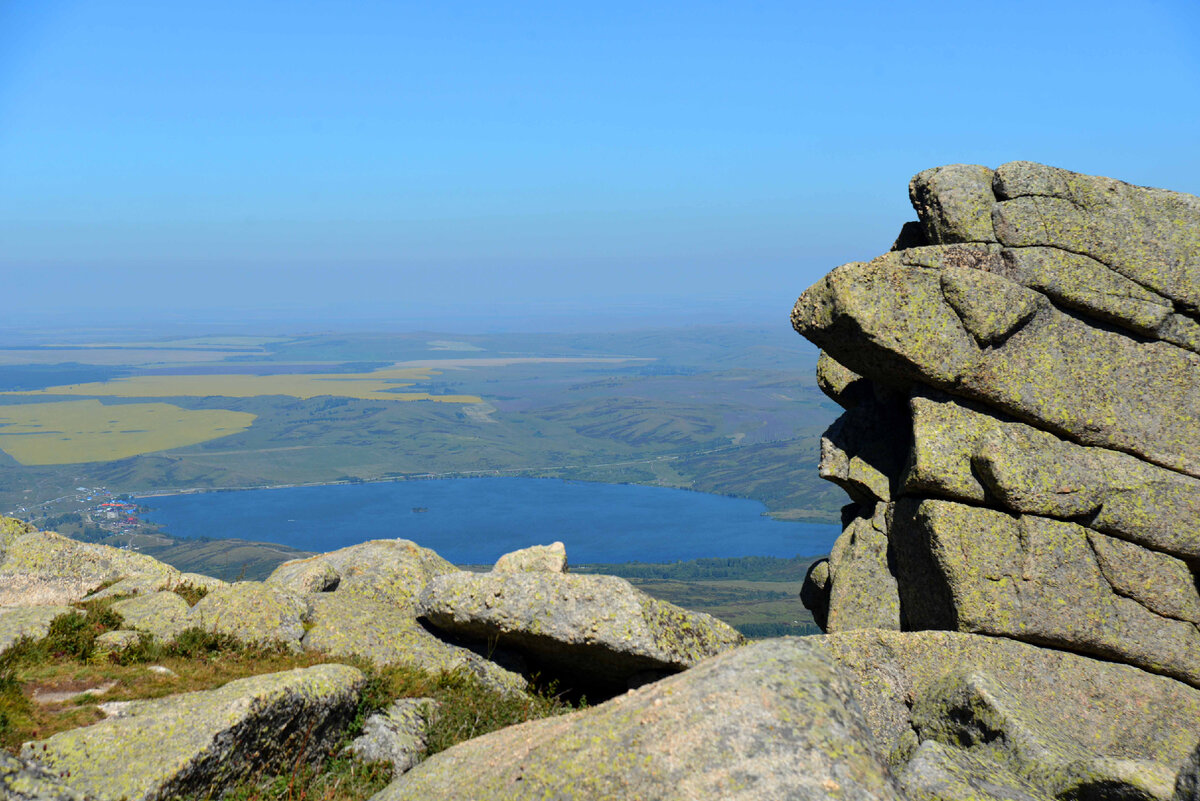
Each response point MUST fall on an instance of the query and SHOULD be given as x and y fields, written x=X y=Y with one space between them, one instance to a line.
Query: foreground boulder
x=28 y=622
x=1021 y=378
x=42 y=568
x=397 y=735
x=25 y=780
x=594 y=633
x=203 y=742
x=772 y=720
x=388 y=571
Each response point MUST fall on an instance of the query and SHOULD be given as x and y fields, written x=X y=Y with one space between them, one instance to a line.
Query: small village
x=90 y=514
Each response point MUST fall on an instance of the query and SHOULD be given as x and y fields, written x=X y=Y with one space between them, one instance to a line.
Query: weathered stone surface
x=1187 y=783
x=398 y=735
x=844 y=387
x=33 y=621
x=964 y=453
x=954 y=203
x=972 y=569
x=116 y=641
x=393 y=571
x=253 y=611
x=348 y=624
x=1161 y=583
x=550 y=558
x=26 y=780
x=200 y=581
x=1075 y=721
x=771 y=720
x=43 y=568
x=585 y=629
x=814 y=592
x=1151 y=236
x=894 y=323
x=863 y=592
x=161 y=614
x=939 y=772
x=203 y=742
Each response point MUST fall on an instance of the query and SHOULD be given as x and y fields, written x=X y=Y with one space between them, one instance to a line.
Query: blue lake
x=475 y=520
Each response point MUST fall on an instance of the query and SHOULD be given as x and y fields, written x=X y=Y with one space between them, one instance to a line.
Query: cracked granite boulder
x=1041 y=330
x=594 y=633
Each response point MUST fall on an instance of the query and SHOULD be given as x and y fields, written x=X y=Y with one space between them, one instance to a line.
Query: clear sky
x=466 y=165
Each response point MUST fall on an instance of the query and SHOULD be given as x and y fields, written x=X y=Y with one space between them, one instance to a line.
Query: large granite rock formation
x=1022 y=434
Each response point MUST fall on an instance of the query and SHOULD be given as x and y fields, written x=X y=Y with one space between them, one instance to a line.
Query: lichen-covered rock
x=25 y=780
x=1064 y=720
x=863 y=451
x=862 y=589
x=897 y=323
x=954 y=203
x=1151 y=236
x=111 y=642
x=203 y=742
x=199 y=581
x=939 y=772
x=398 y=734
x=253 y=612
x=772 y=720
x=965 y=453
x=393 y=571
x=550 y=558
x=347 y=624
x=42 y=568
x=587 y=630
x=161 y=614
x=1035 y=579
x=30 y=621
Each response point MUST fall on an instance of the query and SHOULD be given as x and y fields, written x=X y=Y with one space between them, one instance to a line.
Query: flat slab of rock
x=771 y=720
x=1062 y=721
x=161 y=614
x=203 y=742
x=587 y=630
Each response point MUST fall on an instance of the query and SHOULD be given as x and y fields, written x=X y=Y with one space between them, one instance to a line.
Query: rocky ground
x=1011 y=611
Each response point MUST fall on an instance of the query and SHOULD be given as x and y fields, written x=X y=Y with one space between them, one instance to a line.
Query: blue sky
x=465 y=165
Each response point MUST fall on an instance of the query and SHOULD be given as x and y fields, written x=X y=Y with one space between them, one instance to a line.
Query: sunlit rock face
x=1021 y=375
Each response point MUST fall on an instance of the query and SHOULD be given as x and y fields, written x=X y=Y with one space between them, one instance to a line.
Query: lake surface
x=476 y=520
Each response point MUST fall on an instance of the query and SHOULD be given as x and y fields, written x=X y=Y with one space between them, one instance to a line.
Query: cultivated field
x=70 y=432
x=377 y=385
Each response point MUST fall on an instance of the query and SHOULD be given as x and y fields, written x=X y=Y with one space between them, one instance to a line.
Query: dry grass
x=70 y=432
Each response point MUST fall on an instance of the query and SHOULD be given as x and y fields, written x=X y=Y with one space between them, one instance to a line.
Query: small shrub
x=189 y=592
x=74 y=635
x=197 y=643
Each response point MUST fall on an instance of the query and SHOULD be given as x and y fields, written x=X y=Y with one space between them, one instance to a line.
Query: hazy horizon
x=464 y=166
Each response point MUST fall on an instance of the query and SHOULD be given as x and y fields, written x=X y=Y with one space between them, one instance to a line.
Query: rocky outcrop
x=254 y=612
x=773 y=720
x=1022 y=434
x=550 y=558
x=201 y=743
x=30 y=621
x=593 y=633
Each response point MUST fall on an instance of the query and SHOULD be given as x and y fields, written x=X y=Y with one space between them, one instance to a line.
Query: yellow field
x=366 y=386
x=88 y=431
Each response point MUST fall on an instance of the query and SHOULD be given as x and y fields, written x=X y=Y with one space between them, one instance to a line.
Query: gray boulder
x=398 y=735
x=254 y=612
x=550 y=558
x=595 y=633
x=1187 y=784
x=939 y=772
x=862 y=589
x=390 y=571
x=203 y=742
x=771 y=720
